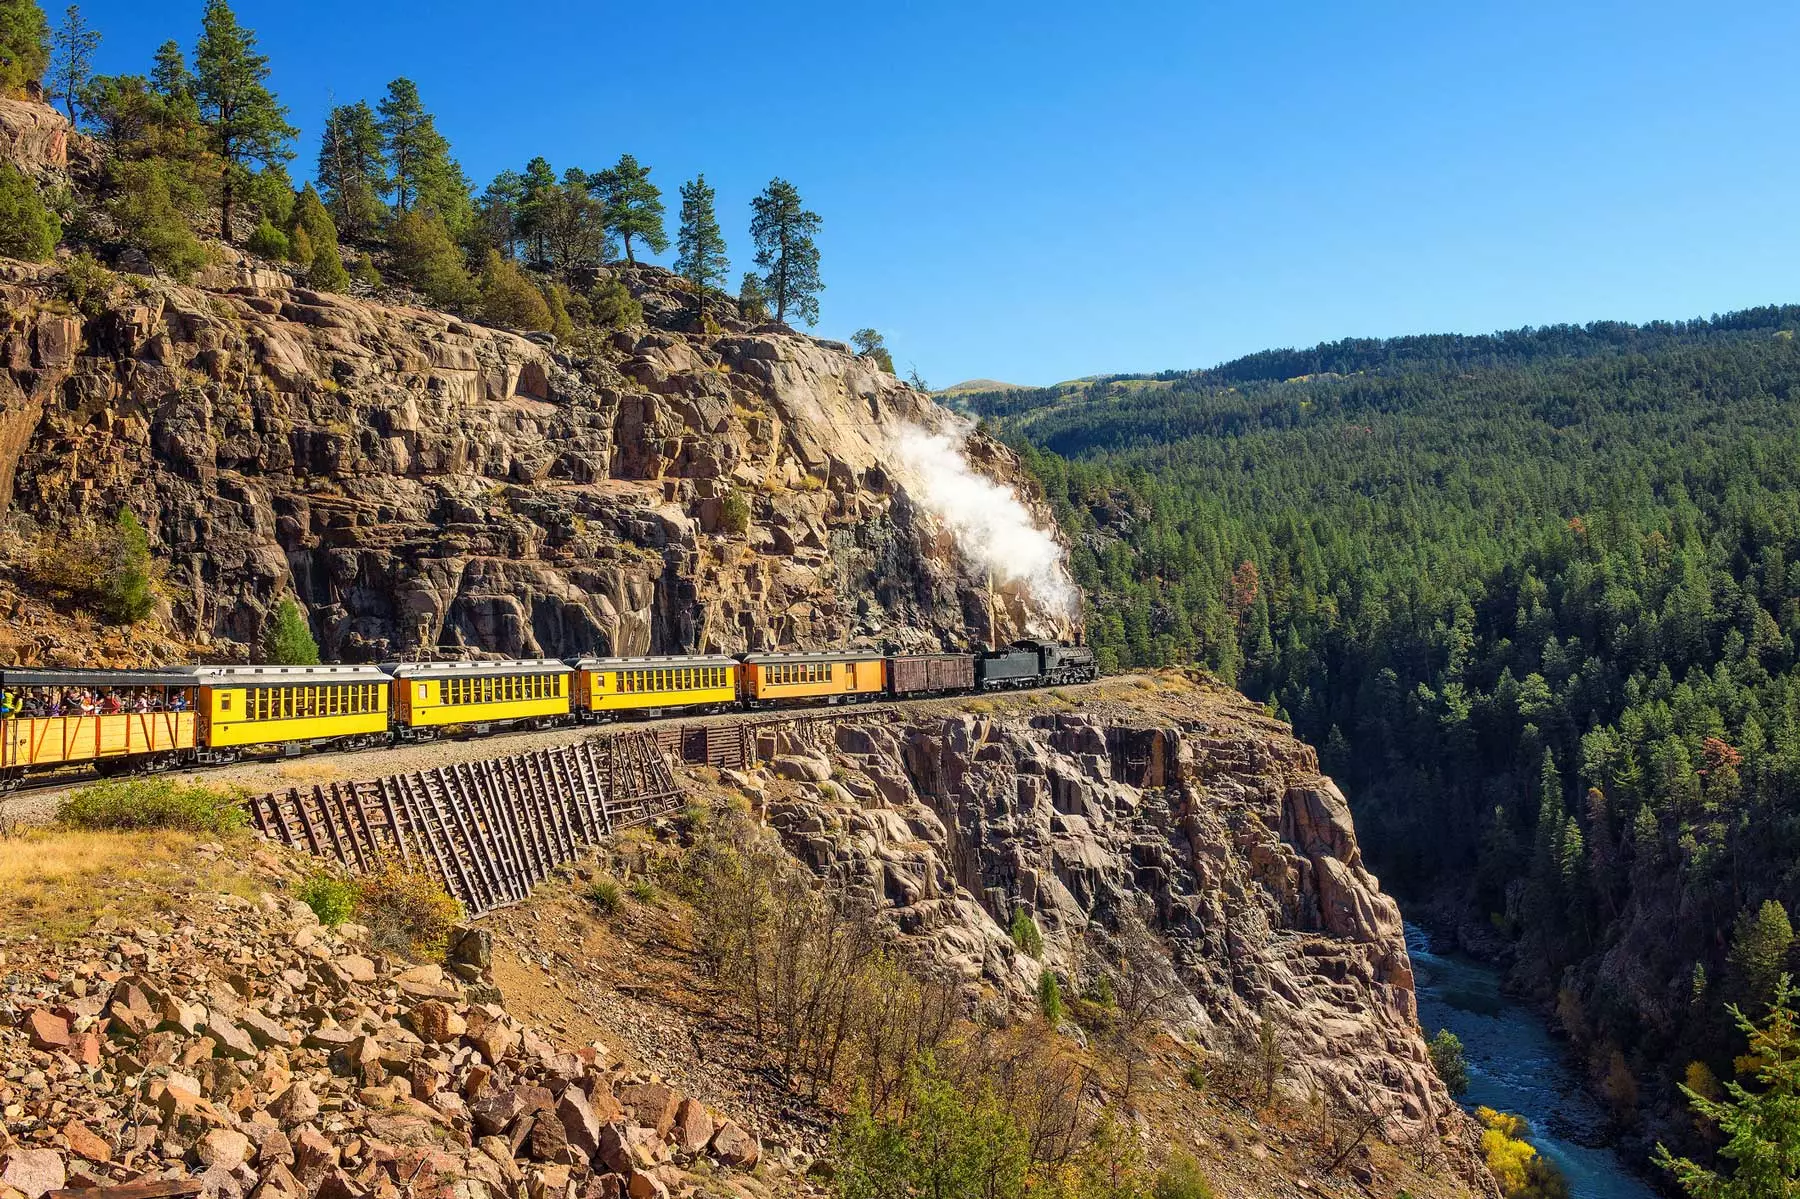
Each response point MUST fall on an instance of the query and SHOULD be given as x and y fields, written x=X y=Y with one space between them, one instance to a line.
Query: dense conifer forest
x=1536 y=596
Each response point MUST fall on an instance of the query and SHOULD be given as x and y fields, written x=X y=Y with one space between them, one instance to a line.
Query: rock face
x=33 y=137
x=422 y=482
x=1193 y=817
x=119 y=1060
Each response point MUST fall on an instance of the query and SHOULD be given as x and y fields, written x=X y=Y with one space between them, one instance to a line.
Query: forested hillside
x=1537 y=596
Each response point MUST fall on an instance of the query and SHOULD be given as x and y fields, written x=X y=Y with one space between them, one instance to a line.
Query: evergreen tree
x=72 y=59
x=421 y=172
x=289 y=640
x=127 y=595
x=871 y=345
x=28 y=229
x=352 y=169
x=1760 y=942
x=170 y=75
x=699 y=244
x=634 y=206
x=497 y=213
x=783 y=231
x=246 y=122
x=427 y=257
x=508 y=299
x=1760 y=1127
x=314 y=239
x=24 y=45
x=753 y=302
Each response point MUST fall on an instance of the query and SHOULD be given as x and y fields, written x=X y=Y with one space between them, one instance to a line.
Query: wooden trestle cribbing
x=492 y=830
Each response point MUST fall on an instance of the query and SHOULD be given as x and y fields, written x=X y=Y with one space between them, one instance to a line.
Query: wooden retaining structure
x=491 y=830
x=494 y=829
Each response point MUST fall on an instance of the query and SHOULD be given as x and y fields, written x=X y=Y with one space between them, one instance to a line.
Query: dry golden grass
x=56 y=882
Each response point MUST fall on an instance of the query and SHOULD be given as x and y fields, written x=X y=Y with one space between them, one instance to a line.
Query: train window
x=225 y=703
x=830 y=671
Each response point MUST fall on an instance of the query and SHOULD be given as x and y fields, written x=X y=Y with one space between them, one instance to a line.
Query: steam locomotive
x=119 y=721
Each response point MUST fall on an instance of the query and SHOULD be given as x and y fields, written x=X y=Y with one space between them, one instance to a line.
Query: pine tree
x=1760 y=941
x=537 y=191
x=422 y=173
x=352 y=169
x=634 y=206
x=699 y=244
x=72 y=58
x=871 y=345
x=24 y=45
x=1760 y=1127
x=170 y=75
x=753 y=302
x=783 y=231
x=289 y=640
x=246 y=123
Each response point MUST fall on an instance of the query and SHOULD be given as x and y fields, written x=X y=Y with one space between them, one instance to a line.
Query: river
x=1515 y=1065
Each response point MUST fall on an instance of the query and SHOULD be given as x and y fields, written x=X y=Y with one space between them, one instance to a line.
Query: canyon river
x=1515 y=1065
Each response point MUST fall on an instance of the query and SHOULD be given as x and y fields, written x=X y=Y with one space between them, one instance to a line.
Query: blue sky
x=1037 y=192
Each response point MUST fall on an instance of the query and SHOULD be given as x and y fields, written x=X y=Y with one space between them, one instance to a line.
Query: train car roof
x=285 y=676
x=617 y=663
x=45 y=676
x=872 y=655
x=413 y=670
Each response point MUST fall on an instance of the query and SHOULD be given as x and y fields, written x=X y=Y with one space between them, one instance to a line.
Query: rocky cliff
x=1170 y=806
x=421 y=483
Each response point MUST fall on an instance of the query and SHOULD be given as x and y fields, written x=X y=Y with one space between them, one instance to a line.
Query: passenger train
x=147 y=720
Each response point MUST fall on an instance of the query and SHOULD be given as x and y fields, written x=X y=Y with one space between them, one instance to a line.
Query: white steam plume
x=992 y=527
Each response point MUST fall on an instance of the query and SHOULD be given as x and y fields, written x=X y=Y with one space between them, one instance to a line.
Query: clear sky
x=1034 y=192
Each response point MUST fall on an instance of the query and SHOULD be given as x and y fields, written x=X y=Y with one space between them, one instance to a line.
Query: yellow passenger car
x=289 y=707
x=833 y=677
x=606 y=687
x=432 y=696
x=126 y=719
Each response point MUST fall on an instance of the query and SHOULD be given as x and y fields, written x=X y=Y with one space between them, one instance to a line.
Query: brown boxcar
x=927 y=674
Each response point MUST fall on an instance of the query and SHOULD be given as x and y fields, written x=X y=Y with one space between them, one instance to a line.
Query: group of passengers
x=38 y=702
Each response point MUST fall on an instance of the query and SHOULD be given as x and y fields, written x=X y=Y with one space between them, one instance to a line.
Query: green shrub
x=1196 y=1076
x=128 y=595
x=1181 y=1178
x=28 y=229
x=1049 y=995
x=508 y=299
x=88 y=285
x=1025 y=933
x=605 y=895
x=269 y=242
x=734 y=513
x=151 y=803
x=613 y=306
x=1448 y=1060
x=148 y=215
x=288 y=641
x=327 y=272
x=330 y=895
x=643 y=890
x=427 y=257
x=364 y=272
x=408 y=912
